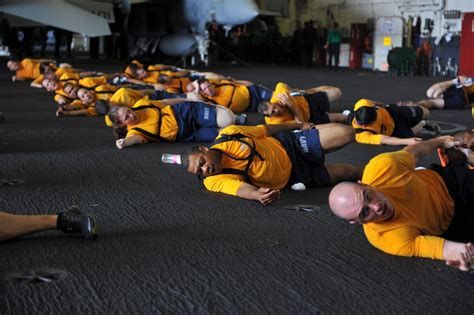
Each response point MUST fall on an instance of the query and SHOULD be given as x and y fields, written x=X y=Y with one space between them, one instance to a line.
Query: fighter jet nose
x=178 y=44
x=231 y=12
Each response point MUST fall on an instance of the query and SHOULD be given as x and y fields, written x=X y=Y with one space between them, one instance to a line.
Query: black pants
x=333 y=51
x=460 y=182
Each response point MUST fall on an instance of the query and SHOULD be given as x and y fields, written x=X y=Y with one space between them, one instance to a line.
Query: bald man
x=410 y=212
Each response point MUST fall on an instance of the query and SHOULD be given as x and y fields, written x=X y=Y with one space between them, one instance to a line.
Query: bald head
x=359 y=203
x=343 y=198
x=13 y=65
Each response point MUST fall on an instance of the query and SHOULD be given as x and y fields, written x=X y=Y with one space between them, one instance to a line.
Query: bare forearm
x=296 y=113
x=247 y=191
x=174 y=101
x=387 y=140
x=273 y=129
x=133 y=140
x=424 y=148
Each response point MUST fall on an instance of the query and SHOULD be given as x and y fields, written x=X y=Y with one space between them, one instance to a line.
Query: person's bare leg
x=12 y=226
x=435 y=103
x=426 y=112
x=332 y=92
x=337 y=117
x=344 y=172
x=335 y=136
x=224 y=117
x=437 y=89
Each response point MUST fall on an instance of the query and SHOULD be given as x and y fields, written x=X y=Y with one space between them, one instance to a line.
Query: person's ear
x=359 y=181
x=204 y=149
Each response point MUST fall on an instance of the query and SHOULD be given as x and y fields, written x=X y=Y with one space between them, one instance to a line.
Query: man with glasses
x=410 y=212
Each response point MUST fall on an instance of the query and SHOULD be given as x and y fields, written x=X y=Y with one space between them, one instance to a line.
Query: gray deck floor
x=167 y=245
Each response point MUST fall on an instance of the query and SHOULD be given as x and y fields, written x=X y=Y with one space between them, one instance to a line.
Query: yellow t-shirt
x=177 y=85
x=149 y=120
x=152 y=76
x=29 y=69
x=126 y=97
x=69 y=77
x=287 y=116
x=230 y=94
x=39 y=80
x=383 y=125
x=60 y=71
x=271 y=172
x=60 y=93
x=92 y=82
x=423 y=206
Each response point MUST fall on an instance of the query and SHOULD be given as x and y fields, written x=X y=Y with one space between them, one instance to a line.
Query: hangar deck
x=168 y=246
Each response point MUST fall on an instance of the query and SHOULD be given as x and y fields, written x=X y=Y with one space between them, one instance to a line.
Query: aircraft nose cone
x=178 y=44
x=233 y=12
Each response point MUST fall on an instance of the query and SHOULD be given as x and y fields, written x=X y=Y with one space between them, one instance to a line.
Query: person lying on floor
x=408 y=212
x=168 y=120
x=311 y=106
x=256 y=162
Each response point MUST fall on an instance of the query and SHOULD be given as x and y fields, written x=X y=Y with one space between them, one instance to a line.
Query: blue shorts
x=197 y=121
x=307 y=157
x=258 y=93
x=140 y=86
x=455 y=98
x=161 y=95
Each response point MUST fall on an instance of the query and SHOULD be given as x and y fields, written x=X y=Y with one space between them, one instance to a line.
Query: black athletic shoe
x=431 y=129
x=73 y=221
x=349 y=117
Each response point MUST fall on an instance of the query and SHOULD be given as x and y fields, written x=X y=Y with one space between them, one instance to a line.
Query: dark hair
x=186 y=153
x=455 y=157
x=44 y=67
x=163 y=78
x=119 y=129
x=133 y=68
x=202 y=80
x=102 y=107
x=262 y=107
x=366 y=115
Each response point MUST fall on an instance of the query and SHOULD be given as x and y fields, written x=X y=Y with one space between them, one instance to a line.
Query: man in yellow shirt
x=409 y=212
x=256 y=162
x=29 y=69
x=376 y=123
x=166 y=120
x=239 y=96
x=310 y=106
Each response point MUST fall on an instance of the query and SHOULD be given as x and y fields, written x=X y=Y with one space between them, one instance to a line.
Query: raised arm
x=424 y=148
